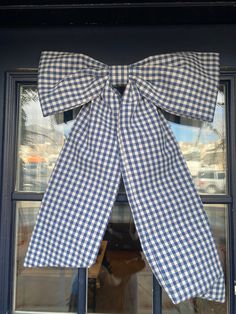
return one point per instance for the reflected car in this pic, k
(32, 182)
(33, 169)
(35, 186)
(211, 181)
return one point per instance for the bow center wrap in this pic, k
(129, 136)
(119, 74)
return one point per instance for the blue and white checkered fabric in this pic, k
(127, 134)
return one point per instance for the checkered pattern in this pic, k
(118, 74)
(127, 134)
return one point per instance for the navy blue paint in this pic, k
(157, 297)
(82, 291)
(20, 48)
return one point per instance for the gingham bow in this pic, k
(127, 134)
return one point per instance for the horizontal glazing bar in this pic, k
(121, 197)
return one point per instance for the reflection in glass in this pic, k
(120, 281)
(203, 145)
(38, 289)
(217, 215)
(39, 142)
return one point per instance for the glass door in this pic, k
(120, 281)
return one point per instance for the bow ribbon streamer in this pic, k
(128, 135)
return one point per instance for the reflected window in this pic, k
(40, 140)
(203, 145)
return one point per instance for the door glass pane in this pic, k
(38, 289)
(120, 281)
(40, 140)
(203, 145)
(217, 215)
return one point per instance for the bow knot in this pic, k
(118, 74)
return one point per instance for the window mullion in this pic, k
(82, 291)
(157, 297)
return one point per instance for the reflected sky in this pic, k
(189, 134)
(34, 117)
(183, 133)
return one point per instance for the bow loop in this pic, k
(184, 83)
(68, 80)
